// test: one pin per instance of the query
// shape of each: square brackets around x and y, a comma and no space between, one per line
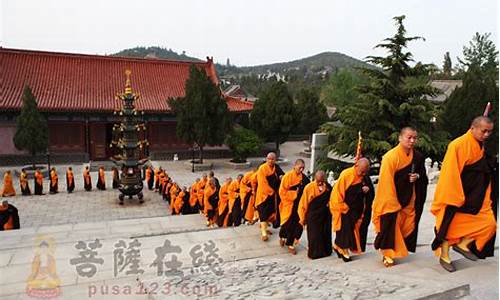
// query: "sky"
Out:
[251,32]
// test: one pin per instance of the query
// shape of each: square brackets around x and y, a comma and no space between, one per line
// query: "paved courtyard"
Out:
[82,206]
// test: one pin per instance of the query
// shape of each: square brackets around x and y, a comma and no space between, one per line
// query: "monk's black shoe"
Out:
[346,259]
[466,254]
[339,255]
[447,266]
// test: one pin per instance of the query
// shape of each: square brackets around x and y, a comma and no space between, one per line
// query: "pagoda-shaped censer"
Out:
[126,139]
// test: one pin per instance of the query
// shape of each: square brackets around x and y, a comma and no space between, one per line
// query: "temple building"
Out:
[76,93]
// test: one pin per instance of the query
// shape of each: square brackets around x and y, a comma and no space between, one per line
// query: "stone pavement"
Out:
[81,206]
[251,269]
[222,263]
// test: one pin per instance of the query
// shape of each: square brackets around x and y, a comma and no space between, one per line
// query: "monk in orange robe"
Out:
[149,177]
[463,199]
[315,215]
[201,192]
[266,198]
[234,203]
[223,205]
[116,178]
[399,199]
[248,185]
[101,179]
[9,216]
[54,181]
[350,205]
[210,199]
[291,189]
[87,180]
[38,182]
[8,186]
[179,202]
[23,182]
[70,180]
[157,178]
[193,198]
[173,192]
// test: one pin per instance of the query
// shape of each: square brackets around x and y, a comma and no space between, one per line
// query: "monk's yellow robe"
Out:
[87,180]
[398,203]
[210,203]
[179,202]
[248,185]
[201,193]
[349,206]
[149,178]
[290,191]
[157,178]
[463,201]
[38,183]
[223,205]
[23,182]
[8,186]
[234,204]
[101,179]
[54,182]
[174,190]
[193,198]
[314,213]
[70,181]
[266,197]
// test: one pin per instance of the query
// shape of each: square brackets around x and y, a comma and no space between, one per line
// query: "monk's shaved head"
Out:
[362,166]
[319,176]
[408,138]
[300,161]
[481,128]
[299,166]
[406,129]
[271,158]
[478,120]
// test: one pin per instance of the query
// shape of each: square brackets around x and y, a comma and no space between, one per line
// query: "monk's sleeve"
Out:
[386,200]
[303,205]
[284,187]
[337,204]
[449,190]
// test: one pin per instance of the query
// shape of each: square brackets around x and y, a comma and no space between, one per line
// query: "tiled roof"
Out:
[445,88]
[88,83]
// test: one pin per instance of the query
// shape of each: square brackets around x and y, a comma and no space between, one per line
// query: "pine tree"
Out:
[447,68]
[394,97]
[32,130]
[480,72]
[273,114]
[202,115]
[311,113]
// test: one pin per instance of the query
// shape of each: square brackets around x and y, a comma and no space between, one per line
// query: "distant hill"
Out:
[155,52]
[321,61]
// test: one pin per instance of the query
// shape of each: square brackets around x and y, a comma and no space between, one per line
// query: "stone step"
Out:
[251,268]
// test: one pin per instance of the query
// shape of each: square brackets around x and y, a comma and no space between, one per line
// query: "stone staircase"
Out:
[226,263]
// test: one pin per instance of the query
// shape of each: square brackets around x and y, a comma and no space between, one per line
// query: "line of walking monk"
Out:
[465,201]
[8,186]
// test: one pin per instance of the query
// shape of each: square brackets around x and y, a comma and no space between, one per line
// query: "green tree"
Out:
[394,97]
[311,113]
[273,114]
[447,67]
[480,72]
[202,115]
[32,130]
[341,88]
[243,143]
